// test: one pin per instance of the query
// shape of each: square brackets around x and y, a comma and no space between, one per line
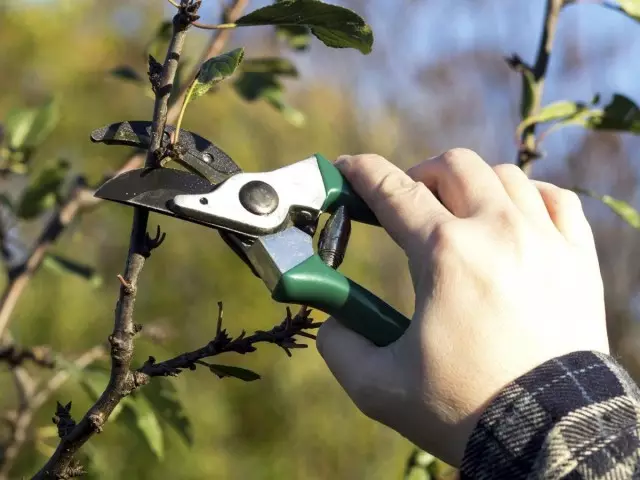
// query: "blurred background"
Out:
[436,79]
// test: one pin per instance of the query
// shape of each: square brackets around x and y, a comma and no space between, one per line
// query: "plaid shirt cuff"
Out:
[576,416]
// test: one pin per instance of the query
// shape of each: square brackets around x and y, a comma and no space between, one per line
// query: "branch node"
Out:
[96,421]
[155,72]
[128,288]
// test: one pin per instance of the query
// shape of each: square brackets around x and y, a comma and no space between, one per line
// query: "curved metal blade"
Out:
[199,154]
[154,189]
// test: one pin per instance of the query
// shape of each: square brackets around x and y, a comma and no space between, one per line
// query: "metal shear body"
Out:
[269,219]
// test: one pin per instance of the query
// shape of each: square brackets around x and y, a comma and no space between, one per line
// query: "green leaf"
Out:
[63,265]
[621,114]
[27,128]
[214,70]
[551,112]
[43,191]
[18,124]
[631,8]
[166,402]
[619,207]
[335,26]
[45,120]
[141,418]
[235,372]
[260,81]
[128,73]
[270,65]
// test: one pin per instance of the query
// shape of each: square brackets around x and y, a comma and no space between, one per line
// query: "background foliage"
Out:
[425,88]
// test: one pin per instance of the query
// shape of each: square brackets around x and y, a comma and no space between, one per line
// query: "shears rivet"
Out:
[204,201]
[258,197]
[207,158]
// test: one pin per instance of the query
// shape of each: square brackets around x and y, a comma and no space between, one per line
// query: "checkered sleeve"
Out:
[573,417]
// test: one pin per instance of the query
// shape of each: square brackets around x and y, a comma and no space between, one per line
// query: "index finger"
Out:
[406,209]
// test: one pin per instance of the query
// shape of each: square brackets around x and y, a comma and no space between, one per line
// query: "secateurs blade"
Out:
[269,218]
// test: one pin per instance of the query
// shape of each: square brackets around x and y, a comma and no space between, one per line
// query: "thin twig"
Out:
[527,151]
[16,355]
[219,26]
[217,42]
[283,335]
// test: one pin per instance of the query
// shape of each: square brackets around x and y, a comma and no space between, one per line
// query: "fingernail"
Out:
[342,159]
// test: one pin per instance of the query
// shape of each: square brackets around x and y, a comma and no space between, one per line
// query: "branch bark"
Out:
[528,145]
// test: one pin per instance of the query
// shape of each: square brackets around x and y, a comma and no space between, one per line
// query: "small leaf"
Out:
[259,80]
[335,26]
[63,265]
[631,8]
[235,372]
[141,418]
[43,192]
[215,70]
[621,114]
[551,112]
[619,207]
[45,120]
[166,402]
[127,72]
[18,124]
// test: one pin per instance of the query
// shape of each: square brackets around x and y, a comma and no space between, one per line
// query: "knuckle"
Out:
[508,170]
[567,199]
[393,186]
[446,238]
[458,157]
[360,161]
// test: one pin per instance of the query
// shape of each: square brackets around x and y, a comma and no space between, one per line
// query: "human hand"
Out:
[506,277]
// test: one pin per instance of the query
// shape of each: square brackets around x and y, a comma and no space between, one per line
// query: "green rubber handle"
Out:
[317,285]
[340,193]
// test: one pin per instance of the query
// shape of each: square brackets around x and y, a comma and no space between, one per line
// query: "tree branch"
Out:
[527,152]
[283,335]
[16,355]
[122,380]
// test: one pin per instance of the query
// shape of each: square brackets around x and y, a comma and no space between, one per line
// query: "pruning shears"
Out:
[267,218]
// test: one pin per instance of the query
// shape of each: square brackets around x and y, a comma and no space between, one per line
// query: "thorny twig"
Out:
[527,152]
[283,335]
[16,355]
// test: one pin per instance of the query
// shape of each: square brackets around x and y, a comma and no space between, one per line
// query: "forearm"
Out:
[576,415]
